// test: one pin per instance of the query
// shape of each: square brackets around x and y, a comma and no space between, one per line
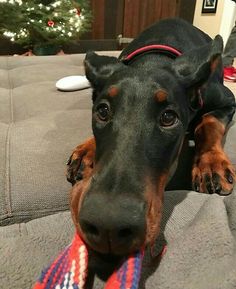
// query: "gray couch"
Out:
[39,127]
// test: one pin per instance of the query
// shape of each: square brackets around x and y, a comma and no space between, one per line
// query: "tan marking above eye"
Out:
[161,95]
[113,91]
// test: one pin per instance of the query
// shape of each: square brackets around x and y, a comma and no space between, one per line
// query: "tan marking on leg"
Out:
[210,157]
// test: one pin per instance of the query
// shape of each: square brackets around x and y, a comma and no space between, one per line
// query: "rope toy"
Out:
[69,270]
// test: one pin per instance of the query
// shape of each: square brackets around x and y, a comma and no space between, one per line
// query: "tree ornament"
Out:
[44,22]
[78,11]
[51,23]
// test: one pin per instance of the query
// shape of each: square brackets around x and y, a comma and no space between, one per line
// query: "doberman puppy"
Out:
[168,82]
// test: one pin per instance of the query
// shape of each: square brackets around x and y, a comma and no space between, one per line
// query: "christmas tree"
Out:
[33,22]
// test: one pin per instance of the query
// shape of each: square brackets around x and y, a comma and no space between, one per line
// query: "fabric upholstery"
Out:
[39,127]
[200,231]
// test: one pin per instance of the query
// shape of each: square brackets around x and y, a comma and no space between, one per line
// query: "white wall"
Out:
[228,19]
[220,22]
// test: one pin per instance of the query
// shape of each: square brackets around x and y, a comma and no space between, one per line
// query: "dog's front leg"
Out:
[80,163]
[212,170]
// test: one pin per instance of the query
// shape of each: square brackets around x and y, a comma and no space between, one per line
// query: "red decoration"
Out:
[51,23]
[78,11]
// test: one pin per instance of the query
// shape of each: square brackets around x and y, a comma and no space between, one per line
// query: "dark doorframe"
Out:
[128,18]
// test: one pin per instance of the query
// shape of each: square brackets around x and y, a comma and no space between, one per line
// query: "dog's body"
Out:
[143,106]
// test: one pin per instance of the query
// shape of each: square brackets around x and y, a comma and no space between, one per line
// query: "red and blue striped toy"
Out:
[69,270]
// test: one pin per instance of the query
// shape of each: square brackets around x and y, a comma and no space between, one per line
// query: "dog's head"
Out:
[139,122]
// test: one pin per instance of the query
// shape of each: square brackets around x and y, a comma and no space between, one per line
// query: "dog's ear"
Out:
[194,67]
[99,68]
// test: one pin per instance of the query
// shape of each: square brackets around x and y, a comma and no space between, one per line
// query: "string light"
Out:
[72,11]
[9,34]
[11,1]
[68,26]
[55,4]
[30,9]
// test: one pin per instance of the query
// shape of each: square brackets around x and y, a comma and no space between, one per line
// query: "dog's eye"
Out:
[168,118]
[103,111]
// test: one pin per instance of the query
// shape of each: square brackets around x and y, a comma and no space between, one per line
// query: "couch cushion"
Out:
[39,127]
[4,78]
[4,146]
[39,149]
[199,230]
[5,105]
[26,249]
[230,146]
[32,100]
[42,72]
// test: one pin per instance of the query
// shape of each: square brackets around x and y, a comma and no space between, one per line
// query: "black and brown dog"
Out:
[166,83]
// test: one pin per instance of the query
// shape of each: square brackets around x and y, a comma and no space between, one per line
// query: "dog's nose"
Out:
[115,226]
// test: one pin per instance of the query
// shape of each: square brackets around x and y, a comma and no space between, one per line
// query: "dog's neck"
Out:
[166,50]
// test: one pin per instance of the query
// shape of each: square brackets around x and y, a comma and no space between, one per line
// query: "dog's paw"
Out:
[80,163]
[213,173]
